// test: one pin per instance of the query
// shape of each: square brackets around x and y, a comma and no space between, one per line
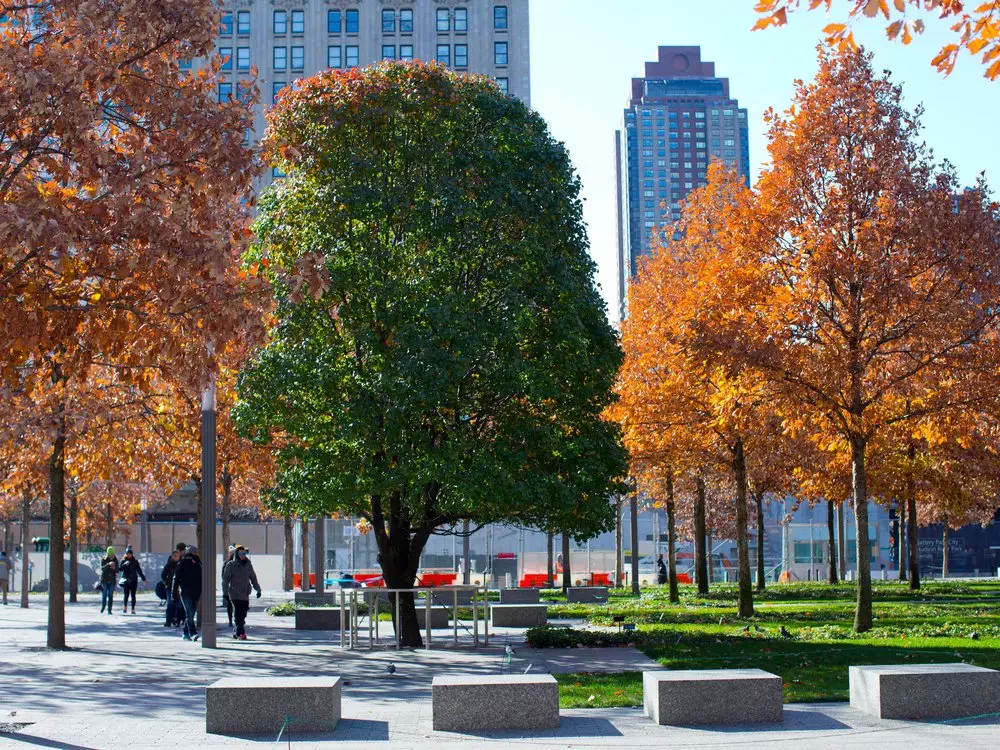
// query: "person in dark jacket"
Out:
[237,580]
[661,571]
[187,586]
[109,579]
[131,572]
[175,614]
[225,597]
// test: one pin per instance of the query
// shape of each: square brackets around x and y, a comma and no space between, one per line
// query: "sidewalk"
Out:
[127,682]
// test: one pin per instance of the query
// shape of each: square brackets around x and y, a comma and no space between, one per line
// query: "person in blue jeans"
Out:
[109,579]
[187,586]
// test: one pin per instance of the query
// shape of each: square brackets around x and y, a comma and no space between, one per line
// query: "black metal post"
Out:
[633,509]
[207,541]
[319,542]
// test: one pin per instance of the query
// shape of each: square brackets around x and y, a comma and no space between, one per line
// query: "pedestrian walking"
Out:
[131,572]
[174,607]
[225,597]
[6,573]
[109,579]
[661,571]
[187,586]
[238,578]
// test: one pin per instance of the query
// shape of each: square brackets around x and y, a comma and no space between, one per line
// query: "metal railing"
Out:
[350,636]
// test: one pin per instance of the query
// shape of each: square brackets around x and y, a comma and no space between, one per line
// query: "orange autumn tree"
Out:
[975,25]
[874,275]
[123,202]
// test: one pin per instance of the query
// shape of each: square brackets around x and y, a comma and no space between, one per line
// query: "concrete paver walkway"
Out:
[127,682]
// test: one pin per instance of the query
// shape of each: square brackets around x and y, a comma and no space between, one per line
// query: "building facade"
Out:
[679,117]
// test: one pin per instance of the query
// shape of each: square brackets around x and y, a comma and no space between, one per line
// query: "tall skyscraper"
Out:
[291,39]
[679,116]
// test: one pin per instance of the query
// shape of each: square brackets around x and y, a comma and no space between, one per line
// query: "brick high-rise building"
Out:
[680,115]
[291,39]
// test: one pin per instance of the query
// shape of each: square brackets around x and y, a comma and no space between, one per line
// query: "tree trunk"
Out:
[74,561]
[567,579]
[109,526]
[901,551]
[831,528]
[633,508]
[305,555]
[700,568]
[287,554]
[57,498]
[944,551]
[841,542]
[466,573]
[859,487]
[914,543]
[619,556]
[709,562]
[25,530]
[758,498]
[551,561]
[744,585]
[675,596]
[226,480]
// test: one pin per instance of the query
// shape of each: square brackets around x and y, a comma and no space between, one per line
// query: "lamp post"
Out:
[320,552]
[207,541]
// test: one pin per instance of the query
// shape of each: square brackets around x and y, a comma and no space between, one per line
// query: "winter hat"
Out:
[128,549]
[111,551]
[232,547]
[180,547]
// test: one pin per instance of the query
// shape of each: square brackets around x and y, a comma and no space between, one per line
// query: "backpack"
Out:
[161,590]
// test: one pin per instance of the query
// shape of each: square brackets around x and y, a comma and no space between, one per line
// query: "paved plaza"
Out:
[128,682]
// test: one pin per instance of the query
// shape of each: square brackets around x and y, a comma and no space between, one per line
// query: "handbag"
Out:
[97,586]
[123,581]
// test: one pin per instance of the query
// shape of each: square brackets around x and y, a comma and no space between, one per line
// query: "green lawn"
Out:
[942,623]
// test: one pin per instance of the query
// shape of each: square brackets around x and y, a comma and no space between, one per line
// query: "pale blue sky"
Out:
[584,53]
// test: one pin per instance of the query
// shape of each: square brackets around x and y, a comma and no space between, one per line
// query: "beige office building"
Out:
[291,39]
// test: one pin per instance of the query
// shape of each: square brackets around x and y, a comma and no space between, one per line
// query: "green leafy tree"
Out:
[440,352]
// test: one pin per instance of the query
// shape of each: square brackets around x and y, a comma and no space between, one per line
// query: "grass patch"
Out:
[595,690]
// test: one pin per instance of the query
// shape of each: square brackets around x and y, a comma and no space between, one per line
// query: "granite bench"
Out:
[473,703]
[238,705]
[518,615]
[314,598]
[587,595]
[317,618]
[691,697]
[448,597]
[440,616]
[924,691]
[519,596]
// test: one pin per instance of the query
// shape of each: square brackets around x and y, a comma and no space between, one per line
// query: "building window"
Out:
[500,17]
[388,51]
[226,53]
[280,22]
[298,58]
[443,54]
[499,53]
[504,84]
[185,64]
[334,58]
[333,22]
[226,24]
[461,55]
[461,20]
[276,173]
[243,58]
[280,58]
[351,21]
[406,21]
[406,52]
[298,22]
[243,90]
[225,92]
[351,55]
[388,21]
[243,23]
[443,21]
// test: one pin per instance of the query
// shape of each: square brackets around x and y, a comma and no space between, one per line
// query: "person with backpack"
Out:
[174,608]
[238,578]
[187,587]
[225,597]
[109,579]
[131,572]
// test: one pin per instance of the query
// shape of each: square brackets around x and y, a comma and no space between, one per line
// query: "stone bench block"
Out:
[440,616]
[691,697]
[448,597]
[924,691]
[587,595]
[518,615]
[519,596]
[317,618]
[237,705]
[472,703]
[311,597]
